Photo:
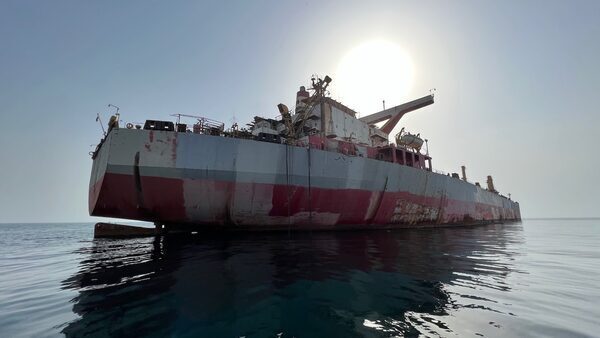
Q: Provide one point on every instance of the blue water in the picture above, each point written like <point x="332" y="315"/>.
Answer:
<point x="537" y="278"/>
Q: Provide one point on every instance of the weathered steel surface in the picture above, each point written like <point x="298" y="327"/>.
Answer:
<point x="174" y="177"/>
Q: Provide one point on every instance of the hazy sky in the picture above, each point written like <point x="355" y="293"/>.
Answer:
<point x="517" y="84"/>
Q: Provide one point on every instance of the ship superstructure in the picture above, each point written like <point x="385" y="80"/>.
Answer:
<point x="317" y="166"/>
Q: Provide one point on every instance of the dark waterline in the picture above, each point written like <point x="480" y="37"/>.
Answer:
<point x="538" y="278"/>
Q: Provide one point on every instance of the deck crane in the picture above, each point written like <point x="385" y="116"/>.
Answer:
<point x="394" y="114"/>
<point x="295" y="128"/>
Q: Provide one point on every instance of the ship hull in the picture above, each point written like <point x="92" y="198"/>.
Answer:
<point x="212" y="181"/>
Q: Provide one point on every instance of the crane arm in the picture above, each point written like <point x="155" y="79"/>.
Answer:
<point x="394" y="114"/>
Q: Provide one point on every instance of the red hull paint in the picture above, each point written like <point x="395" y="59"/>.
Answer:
<point x="120" y="197"/>
<point x="262" y="206"/>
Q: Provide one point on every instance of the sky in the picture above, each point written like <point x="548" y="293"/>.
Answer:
<point x="517" y="85"/>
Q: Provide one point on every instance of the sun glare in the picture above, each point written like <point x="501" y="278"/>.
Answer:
<point x="371" y="72"/>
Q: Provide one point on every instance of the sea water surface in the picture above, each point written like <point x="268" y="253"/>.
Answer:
<point x="538" y="278"/>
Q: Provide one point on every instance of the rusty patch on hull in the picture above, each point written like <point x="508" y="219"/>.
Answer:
<point x="153" y="176"/>
<point x="265" y="206"/>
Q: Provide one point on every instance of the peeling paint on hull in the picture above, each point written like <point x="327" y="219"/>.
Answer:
<point x="234" y="183"/>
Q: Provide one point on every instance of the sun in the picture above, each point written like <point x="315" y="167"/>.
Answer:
<point x="372" y="72"/>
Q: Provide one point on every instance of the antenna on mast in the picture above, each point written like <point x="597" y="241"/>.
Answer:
<point x="101" y="125"/>
<point x="114" y="120"/>
<point x="112" y="105"/>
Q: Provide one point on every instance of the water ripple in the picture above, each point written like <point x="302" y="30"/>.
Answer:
<point x="496" y="280"/>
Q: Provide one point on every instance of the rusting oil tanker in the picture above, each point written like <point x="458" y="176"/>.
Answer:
<point x="318" y="166"/>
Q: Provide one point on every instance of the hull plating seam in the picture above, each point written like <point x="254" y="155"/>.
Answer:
<point x="264" y="205"/>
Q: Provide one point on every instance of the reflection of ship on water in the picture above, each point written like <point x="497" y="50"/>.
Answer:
<point x="115" y="294"/>
<point x="262" y="284"/>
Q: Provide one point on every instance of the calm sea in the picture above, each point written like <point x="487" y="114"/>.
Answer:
<point x="537" y="278"/>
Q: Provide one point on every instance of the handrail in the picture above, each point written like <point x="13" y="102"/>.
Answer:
<point x="205" y="122"/>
